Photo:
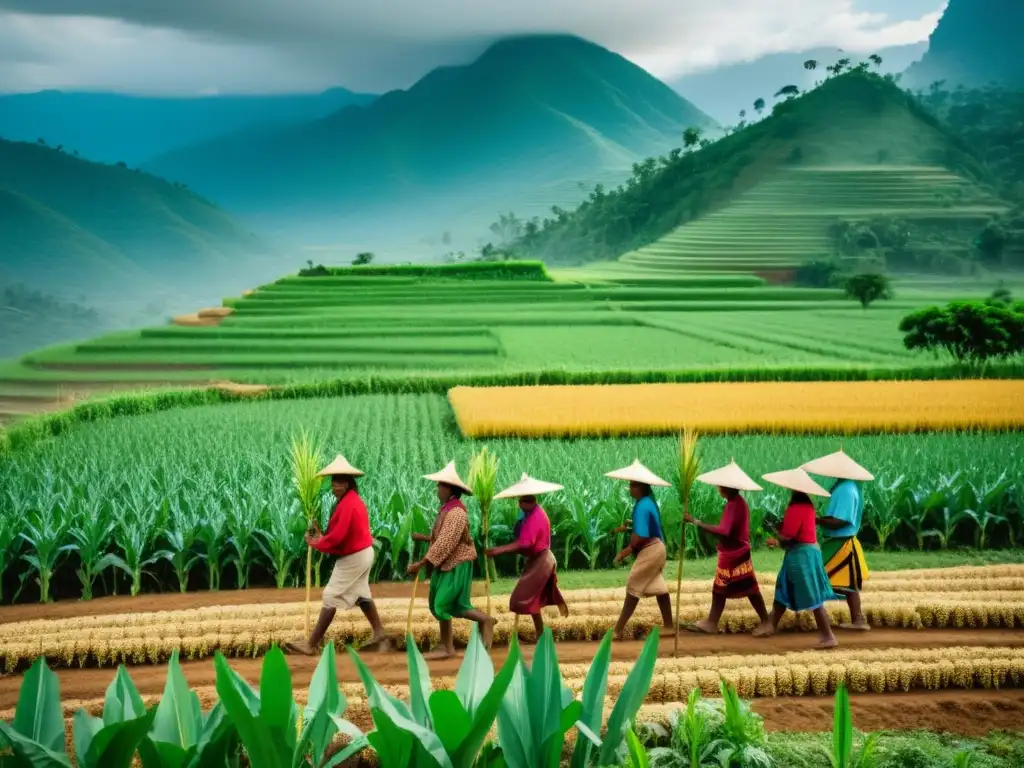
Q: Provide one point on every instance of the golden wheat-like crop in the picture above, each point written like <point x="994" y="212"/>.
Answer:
<point x="844" y="407"/>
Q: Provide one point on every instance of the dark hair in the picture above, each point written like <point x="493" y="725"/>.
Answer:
<point x="454" y="489"/>
<point x="648" y="491"/>
<point x="345" y="479"/>
<point x="731" y="493"/>
<point x="799" y="497"/>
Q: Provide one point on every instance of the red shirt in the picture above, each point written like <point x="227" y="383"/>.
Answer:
<point x="734" y="527"/>
<point x="348" y="531"/>
<point x="798" y="524"/>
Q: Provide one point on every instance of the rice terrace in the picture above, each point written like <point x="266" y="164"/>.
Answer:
<point x="716" y="457"/>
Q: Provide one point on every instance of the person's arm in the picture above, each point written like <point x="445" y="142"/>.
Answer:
<point x="841" y="508"/>
<point x="512" y="548"/>
<point x="337" y="530"/>
<point x="447" y="540"/>
<point x="724" y="527"/>
<point x="789" y="529"/>
<point x="635" y="543"/>
<point x="832" y="523"/>
<point x="421" y="537"/>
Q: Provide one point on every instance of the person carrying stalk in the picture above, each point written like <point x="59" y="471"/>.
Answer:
<point x="538" y="585"/>
<point x="647" y="545"/>
<point x="802" y="584"/>
<point x="347" y="537"/>
<point x="734" y="577"/>
<point x="841" y="551"/>
<point x="450" y="563"/>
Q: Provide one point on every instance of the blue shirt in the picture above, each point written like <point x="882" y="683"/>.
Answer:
<point x="647" y="519"/>
<point x="846" y="504"/>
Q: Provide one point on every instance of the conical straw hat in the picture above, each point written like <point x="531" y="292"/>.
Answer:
<point x="527" y="486"/>
<point x="729" y="476"/>
<point x="839" y="466"/>
<point x="796" y="480"/>
<point x="637" y="473"/>
<point x="449" y="476"/>
<point x="340" y="466"/>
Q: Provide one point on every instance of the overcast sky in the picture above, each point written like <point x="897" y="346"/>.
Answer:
<point x="274" y="46"/>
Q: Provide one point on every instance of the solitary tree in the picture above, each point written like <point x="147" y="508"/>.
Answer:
<point x="691" y="137"/>
<point x="876" y="60"/>
<point x="810" y="65"/>
<point x="868" y="287"/>
<point x="759" y="106"/>
<point x="789" y="91"/>
<point x="971" y="332"/>
<point x="362" y="259"/>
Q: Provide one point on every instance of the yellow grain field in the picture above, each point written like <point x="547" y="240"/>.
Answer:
<point x="826" y="407"/>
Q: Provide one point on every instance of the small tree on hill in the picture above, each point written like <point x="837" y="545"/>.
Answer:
<point x="868" y="287"/>
<point x="971" y="332"/>
<point x="759" y="106"/>
<point x="691" y="137"/>
<point x="810" y="65"/>
<point x="876" y="60"/>
<point x="362" y="259"/>
<point x="789" y="91"/>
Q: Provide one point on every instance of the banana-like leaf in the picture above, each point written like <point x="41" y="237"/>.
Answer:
<point x="419" y="684"/>
<point x="39" y="717"/>
<point x="488" y="710"/>
<point x="476" y="673"/>
<point x="278" y="712"/>
<point x="325" y="696"/>
<point x="451" y="721"/>
<point x="179" y="716"/>
<point x="110" y="745"/>
<point x="631" y="697"/>
<point x="594" y="688"/>
<point x="30" y="753"/>
<point x="515" y="729"/>
<point x="243" y="708"/>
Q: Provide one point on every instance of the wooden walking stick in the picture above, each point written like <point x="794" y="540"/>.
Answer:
<point x="689" y="462"/>
<point x="412" y="600"/>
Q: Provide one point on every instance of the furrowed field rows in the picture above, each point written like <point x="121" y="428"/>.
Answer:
<point x="801" y="408"/>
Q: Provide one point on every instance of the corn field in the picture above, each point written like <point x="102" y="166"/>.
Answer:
<point x="202" y="499"/>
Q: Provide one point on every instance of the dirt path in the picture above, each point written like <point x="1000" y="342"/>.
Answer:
<point x="390" y="668"/>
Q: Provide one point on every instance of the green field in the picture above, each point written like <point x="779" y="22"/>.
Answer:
<point x="784" y="221"/>
<point x="216" y="479"/>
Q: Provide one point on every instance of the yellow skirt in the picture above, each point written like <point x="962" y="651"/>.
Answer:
<point x="845" y="564"/>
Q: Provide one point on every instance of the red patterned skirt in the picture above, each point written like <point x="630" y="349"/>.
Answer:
<point x="735" y="575"/>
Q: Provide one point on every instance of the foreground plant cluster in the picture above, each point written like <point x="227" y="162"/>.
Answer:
<point x="194" y="513"/>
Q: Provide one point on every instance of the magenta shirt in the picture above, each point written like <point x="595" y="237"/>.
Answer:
<point x="535" y="534"/>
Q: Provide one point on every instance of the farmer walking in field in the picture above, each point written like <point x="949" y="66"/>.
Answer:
<point x="449" y="560"/>
<point x="538" y="585"/>
<point x="734" y="577"/>
<point x="841" y="551"/>
<point x="348" y="538"/>
<point x="802" y="584"/>
<point x="647" y="545"/>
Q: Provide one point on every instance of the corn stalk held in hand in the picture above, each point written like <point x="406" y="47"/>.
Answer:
<point x="307" y="484"/>
<point x="483" y="473"/>
<point x="689" y="465"/>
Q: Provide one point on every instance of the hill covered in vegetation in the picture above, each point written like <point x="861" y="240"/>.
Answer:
<point x="113" y="127"/>
<point x="856" y="119"/>
<point x="77" y="228"/>
<point x="528" y="113"/>
<point x="976" y="42"/>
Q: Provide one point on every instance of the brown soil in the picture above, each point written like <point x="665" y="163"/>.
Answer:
<point x="241" y="390"/>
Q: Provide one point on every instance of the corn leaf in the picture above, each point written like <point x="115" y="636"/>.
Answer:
<point x="632" y="695"/>
<point x="594" y="688"/>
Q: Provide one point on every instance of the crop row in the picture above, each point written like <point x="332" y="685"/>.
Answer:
<point x="254" y="634"/>
<point x="206" y="500"/>
<point x="812" y="407"/>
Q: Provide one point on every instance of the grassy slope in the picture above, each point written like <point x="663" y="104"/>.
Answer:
<point x="857" y="119"/>
<point x="529" y="111"/>
<point x="71" y="223"/>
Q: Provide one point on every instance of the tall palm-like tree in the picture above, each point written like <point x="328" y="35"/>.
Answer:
<point x="876" y="60"/>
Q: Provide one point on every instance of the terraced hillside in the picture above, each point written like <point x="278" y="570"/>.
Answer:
<point x="784" y="221"/>
<point x="584" y="323"/>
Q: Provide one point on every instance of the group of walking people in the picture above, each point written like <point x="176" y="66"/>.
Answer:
<point x="811" y="574"/>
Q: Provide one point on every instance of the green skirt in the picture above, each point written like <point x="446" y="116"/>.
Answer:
<point x="802" y="584"/>
<point x="450" y="591"/>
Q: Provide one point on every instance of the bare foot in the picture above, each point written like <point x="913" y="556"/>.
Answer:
<point x="764" y="630"/>
<point x="704" y="626"/>
<point x="563" y="609"/>
<point x="440" y="654"/>
<point x="487" y="632"/>
<point x="300" y="646"/>
<point x="857" y="626"/>
<point x="377" y="643"/>
<point x="826" y="643"/>
<point x="668" y="632"/>
<point x="618" y="637"/>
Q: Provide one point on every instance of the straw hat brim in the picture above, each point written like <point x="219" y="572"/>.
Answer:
<point x="838" y="465"/>
<point x="449" y="476"/>
<point x="527" y="486"/>
<point x="729" y="476"/>
<point x="796" y="480"/>
<point x="638" y="473"/>
<point x="340" y="466"/>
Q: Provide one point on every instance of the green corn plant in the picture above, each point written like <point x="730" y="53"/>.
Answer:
<point x="111" y="741"/>
<point x="213" y="536"/>
<point x="689" y="468"/>
<point x="243" y="520"/>
<point x="307" y="485"/>
<point x="536" y="711"/>
<point x="44" y="535"/>
<point x="182" y="736"/>
<point x="91" y="533"/>
<point x="133" y="535"/>
<point x="437" y="729"/>
<point x="281" y="544"/>
<point x="267" y="722"/>
<point x="483" y="475"/>
<point x="11" y="541"/>
<point x="36" y="736"/>
<point x="883" y="508"/>
<point x="180" y="536"/>
<point x="983" y="503"/>
<point x="743" y="739"/>
<point x="843" y="754"/>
